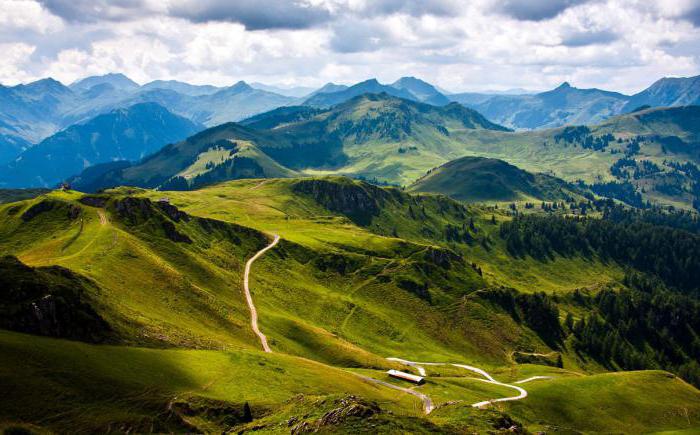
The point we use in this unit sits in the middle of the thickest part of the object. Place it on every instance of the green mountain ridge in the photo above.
(302, 139)
(396, 141)
(361, 273)
(477, 179)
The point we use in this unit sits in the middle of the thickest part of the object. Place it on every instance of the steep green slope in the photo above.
(361, 273)
(161, 277)
(369, 135)
(475, 179)
(224, 152)
(109, 388)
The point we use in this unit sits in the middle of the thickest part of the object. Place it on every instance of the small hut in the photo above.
(406, 376)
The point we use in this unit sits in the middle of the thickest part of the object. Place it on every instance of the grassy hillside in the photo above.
(161, 278)
(111, 388)
(363, 135)
(600, 403)
(362, 273)
(397, 141)
(477, 179)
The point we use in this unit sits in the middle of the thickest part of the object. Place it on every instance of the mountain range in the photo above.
(31, 112)
(363, 259)
(301, 138)
(391, 140)
(122, 134)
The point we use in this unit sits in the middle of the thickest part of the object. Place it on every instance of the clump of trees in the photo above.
(537, 311)
(671, 254)
(644, 326)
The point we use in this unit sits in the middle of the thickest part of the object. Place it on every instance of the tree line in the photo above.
(669, 253)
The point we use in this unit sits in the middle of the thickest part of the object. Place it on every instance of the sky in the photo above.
(459, 45)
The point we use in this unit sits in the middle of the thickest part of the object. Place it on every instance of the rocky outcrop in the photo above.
(50, 301)
(94, 201)
(134, 210)
(172, 212)
(441, 257)
(72, 211)
(359, 201)
(344, 409)
(39, 208)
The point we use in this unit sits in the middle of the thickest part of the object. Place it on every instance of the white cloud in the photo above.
(614, 44)
(14, 59)
(23, 15)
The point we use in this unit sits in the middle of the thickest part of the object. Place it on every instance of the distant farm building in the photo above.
(406, 376)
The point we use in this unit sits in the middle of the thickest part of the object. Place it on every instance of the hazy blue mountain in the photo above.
(409, 88)
(294, 91)
(33, 111)
(181, 87)
(328, 88)
(10, 147)
(677, 91)
(371, 86)
(563, 105)
(422, 91)
(123, 134)
(233, 103)
(115, 80)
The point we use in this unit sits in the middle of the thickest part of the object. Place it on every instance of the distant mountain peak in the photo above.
(116, 80)
(241, 86)
(371, 81)
(410, 79)
(565, 85)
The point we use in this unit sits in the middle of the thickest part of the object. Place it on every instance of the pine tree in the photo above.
(247, 413)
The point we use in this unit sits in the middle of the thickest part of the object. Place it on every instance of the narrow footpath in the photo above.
(249, 298)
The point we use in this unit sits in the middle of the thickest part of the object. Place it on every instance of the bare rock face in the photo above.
(94, 201)
(346, 408)
(350, 406)
(358, 201)
(39, 208)
(134, 210)
(442, 257)
(173, 212)
(50, 301)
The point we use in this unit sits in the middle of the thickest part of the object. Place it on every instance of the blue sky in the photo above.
(621, 45)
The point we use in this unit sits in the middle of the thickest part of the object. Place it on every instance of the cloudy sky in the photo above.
(621, 45)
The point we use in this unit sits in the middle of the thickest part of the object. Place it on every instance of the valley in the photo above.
(369, 258)
(350, 217)
(361, 279)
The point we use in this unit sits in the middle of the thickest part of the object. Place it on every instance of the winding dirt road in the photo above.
(249, 298)
(427, 401)
(486, 378)
(428, 405)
